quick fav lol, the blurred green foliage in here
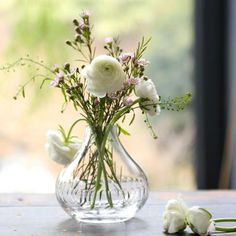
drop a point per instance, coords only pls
(41, 27)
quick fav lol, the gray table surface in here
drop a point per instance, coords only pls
(40, 215)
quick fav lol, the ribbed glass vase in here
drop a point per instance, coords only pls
(103, 184)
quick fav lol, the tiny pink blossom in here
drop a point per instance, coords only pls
(60, 75)
(126, 56)
(82, 25)
(55, 67)
(112, 96)
(85, 13)
(108, 40)
(133, 81)
(96, 101)
(143, 62)
(127, 101)
(55, 82)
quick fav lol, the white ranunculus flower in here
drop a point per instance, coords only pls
(199, 220)
(176, 205)
(59, 151)
(147, 89)
(104, 75)
(174, 216)
(173, 222)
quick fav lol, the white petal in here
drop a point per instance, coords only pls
(59, 151)
(173, 221)
(104, 75)
(199, 220)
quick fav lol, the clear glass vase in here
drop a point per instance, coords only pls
(103, 184)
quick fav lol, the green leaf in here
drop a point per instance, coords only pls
(43, 82)
(132, 120)
(123, 131)
(23, 91)
(64, 94)
(63, 133)
(177, 103)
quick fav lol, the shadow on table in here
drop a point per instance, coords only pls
(73, 226)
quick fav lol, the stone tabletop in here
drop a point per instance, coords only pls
(40, 215)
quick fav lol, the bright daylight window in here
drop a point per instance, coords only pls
(40, 30)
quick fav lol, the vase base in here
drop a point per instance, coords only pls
(102, 220)
(103, 216)
(77, 203)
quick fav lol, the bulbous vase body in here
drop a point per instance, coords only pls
(103, 184)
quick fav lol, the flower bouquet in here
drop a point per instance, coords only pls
(100, 181)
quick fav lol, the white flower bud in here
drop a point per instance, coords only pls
(199, 220)
(58, 151)
(173, 221)
(174, 216)
(104, 75)
(176, 205)
(147, 89)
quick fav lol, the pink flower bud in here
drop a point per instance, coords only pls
(82, 25)
(112, 95)
(126, 56)
(127, 101)
(85, 14)
(143, 62)
(96, 101)
(108, 40)
(55, 67)
(133, 81)
(59, 77)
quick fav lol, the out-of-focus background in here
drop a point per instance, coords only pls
(40, 29)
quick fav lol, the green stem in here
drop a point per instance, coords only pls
(71, 128)
(116, 117)
(97, 185)
(101, 149)
(38, 63)
(101, 169)
(106, 180)
(150, 126)
(218, 220)
(90, 52)
(225, 229)
(81, 52)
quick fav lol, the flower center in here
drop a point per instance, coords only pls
(107, 68)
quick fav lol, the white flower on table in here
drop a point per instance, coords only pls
(199, 220)
(173, 222)
(177, 205)
(174, 216)
(146, 89)
(104, 75)
(59, 151)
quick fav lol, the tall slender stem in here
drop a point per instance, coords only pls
(101, 137)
